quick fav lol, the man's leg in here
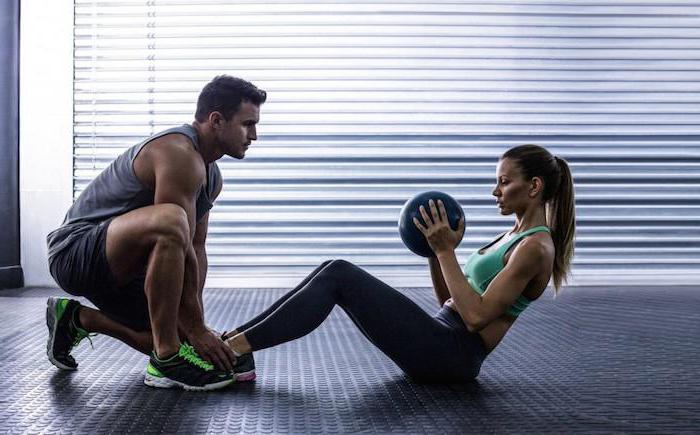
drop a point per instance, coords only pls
(93, 320)
(109, 268)
(153, 239)
(156, 236)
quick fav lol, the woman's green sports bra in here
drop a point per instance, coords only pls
(481, 269)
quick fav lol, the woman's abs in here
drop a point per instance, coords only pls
(493, 333)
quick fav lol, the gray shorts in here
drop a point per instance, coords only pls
(81, 269)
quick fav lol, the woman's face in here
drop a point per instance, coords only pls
(512, 190)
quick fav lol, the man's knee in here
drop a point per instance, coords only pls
(169, 225)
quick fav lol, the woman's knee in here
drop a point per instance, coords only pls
(341, 272)
(344, 280)
(340, 267)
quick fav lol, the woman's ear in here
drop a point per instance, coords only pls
(536, 187)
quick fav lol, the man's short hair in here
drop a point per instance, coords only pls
(224, 94)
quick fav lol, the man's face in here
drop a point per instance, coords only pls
(240, 131)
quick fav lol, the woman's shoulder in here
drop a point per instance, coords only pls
(538, 245)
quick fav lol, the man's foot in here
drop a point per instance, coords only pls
(244, 369)
(64, 334)
(185, 370)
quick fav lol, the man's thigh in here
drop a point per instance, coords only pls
(81, 269)
(132, 236)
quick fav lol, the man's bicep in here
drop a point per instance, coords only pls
(177, 181)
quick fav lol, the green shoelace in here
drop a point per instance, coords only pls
(80, 333)
(190, 355)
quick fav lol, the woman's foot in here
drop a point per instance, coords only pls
(244, 368)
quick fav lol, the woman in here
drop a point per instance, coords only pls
(479, 304)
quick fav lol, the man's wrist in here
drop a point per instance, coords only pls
(194, 328)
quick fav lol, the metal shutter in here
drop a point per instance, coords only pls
(371, 102)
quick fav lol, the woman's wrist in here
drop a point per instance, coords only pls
(444, 253)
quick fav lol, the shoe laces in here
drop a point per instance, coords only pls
(80, 334)
(188, 353)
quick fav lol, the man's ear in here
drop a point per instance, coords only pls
(216, 119)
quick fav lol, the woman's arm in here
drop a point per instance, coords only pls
(442, 293)
(476, 310)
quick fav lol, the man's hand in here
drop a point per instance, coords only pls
(210, 347)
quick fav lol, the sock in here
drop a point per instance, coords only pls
(163, 359)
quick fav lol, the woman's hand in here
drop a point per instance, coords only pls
(437, 231)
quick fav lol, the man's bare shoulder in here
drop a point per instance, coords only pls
(175, 145)
(167, 154)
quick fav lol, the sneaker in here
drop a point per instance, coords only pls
(64, 335)
(244, 368)
(186, 370)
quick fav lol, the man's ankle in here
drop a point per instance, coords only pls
(77, 321)
(166, 352)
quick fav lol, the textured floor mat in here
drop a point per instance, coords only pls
(591, 360)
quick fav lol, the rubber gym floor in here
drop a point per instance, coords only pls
(593, 359)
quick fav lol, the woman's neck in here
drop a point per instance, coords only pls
(531, 218)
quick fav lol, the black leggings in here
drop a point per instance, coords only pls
(430, 349)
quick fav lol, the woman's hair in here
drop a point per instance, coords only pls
(558, 195)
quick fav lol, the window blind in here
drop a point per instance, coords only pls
(371, 102)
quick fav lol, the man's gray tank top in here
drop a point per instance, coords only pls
(117, 190)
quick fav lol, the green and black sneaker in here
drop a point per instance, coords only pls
(186, 370)
(64, 335)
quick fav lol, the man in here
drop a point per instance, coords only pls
(133, 243)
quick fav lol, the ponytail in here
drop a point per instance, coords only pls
(561, 218)
(558, 197)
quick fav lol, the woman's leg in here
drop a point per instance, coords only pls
(414, 340)
(260, 317)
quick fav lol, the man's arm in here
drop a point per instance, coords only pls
(200, 249)
(179, 174)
